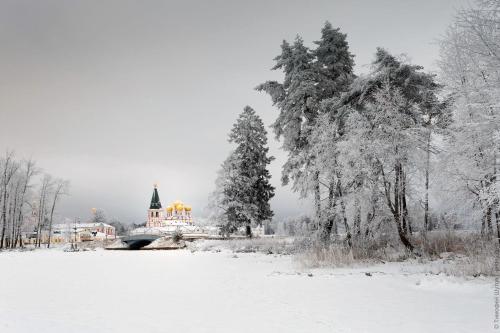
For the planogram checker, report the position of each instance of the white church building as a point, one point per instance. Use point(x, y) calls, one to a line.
point(176, 214)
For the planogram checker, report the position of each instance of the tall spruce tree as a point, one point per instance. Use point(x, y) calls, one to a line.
point(243, 188)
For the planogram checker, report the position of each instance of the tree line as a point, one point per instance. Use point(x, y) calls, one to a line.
point(397, 149)
point(28, 201)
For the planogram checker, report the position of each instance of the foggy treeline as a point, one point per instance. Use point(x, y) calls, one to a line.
point(28, 200)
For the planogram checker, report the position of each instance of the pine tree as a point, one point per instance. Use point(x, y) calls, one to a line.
point(295, 97)
point(335, 65)
point(311, 77)
point(334, 61)
point(243, 188)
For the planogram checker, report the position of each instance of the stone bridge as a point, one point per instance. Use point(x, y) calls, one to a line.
point(138, 241)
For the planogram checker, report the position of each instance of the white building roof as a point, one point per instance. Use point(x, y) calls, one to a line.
point(81, 225)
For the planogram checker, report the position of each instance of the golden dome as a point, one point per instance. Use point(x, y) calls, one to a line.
point(169, 208)
point(179, 207)
point(187, 208)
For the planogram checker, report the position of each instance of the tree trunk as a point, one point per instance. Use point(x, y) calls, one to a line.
point(317, 199)
point(427, 170)
point(348, 237)
point(10, 225)
point(59, 190)
point(369, 219)
point(30, 171)
point(357, 218)
point(497, 218)
point(50, 223)
point(404, 206)
point(396, 206)
point(4, 216)
point(44, 191)
point(8, 172)
point(483, 224)
point(488, 220)
point(331, 223)
point(41, 214)
point(402, 235)
point(13, 216)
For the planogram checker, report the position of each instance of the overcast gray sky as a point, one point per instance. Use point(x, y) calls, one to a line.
point(117, 95)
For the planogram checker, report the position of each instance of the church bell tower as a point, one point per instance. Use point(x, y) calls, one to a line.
point(155, 213)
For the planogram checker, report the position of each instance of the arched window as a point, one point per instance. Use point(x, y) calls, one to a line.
point(156, 214)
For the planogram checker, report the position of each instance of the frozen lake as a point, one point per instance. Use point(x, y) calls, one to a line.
point(180, 291)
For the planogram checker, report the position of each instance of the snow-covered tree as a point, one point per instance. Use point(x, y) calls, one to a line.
point(60, 188)
point(9, 168)
point(243, 188)
point(382, 126)
point(297, 101)
point(43, 195)
point(334, 62)
point(470, 62)
point(18, 200)
point(223, 201)
point(385, 140)
point(311, 77)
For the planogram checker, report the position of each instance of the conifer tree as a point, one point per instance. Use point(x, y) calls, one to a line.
point(335, 66)
point(224, 201)
point(243, 188)
point(311, 78)
point(334, 62)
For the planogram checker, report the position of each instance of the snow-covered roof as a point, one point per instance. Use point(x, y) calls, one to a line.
point(82, 225)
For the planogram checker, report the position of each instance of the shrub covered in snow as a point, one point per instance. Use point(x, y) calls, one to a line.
point(458, 254)
point(268, 245)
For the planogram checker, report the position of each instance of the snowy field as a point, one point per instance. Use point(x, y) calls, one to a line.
point(180, 291)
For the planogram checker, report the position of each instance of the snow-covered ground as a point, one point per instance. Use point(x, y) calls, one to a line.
point(180, 291)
